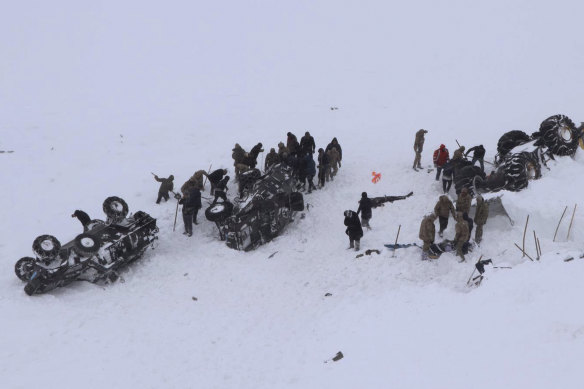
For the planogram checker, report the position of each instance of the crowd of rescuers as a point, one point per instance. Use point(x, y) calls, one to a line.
point(297, 155)
point(444, 207)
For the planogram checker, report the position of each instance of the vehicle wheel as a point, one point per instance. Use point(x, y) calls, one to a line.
point(509, 140)
point(519, 170)
point(86, 245)
point(560, 135)
point(296, 202)
point(219, 211)
point(115, 208)
point(24, 268)
point(465, 178)
point(95, 223)
point(46, 247)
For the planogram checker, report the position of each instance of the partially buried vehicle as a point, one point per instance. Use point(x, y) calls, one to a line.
point(95, 255)
point(267, 204)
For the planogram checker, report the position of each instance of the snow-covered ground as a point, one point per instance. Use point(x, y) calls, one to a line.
point(93, 97)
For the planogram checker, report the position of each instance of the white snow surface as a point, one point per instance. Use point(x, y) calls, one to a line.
point(96, 95)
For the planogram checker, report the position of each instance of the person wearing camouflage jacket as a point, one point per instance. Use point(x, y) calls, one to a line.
point(461, 235)
point(333, 156)
point(458, 153)
point(443, 209)
point(283, 152)
point(271, 159)
point(428, 231)
point(480, 218)
point(418, 148)
point(463, 202)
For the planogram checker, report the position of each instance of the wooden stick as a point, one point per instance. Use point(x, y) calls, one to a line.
point(539, 247)
point(516, 245)
point(208, 172)
point(398, 230)
point(524, 232)
point(535, 241)
point(175, 214)
point(559, 223)
point(571, 221)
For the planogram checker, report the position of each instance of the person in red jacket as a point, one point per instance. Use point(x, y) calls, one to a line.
point(441, 156)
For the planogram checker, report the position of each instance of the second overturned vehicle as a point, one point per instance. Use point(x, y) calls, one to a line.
point(270, 202)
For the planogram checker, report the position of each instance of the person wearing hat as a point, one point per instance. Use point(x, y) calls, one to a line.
point(365, 206)
point(272, 158)
point(427, 233)
point(354, 229)
point(418, 148)
point(166, 185)
point(440, 158)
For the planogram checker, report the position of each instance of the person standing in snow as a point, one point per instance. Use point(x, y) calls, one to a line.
point(238, 156)
point(354, 229)
point(308, 168)
point(440, 158)
point(418, 148)
point(307, 144)
point(335, 145)
point(292, 144)
point(480, 219)
point(458, 154)
point(448, 172)
point(427, 233)
point(443, 209)
point(365, 206)
point(333, 156)
point(463, 201)
point(470, 223)
point(478, 155)
point(166, 185)
point(221, 190)
point(461, 235)
point(323, 167)
point(191, 203)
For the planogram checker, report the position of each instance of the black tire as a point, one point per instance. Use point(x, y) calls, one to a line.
point(296, 202)
point(24, 268)
point(509, 140)
point(465, 178)
point(46, 247)
point(115, 208)
point(519, 170)
point(219, 211)
point(86, 245)
point(560, 135)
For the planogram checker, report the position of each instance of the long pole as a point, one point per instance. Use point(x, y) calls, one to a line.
point(398, 230)
point(563, 213)
point(571, 221)
point(175, 215)
point(524, 232)
point(536, 249)
point(208, 172)
point(523, 251)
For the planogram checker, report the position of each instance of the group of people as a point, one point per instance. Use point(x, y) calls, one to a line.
point(297, 155)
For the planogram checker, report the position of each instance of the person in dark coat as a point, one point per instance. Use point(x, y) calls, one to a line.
point(309, 171)
point(323, 167)
point(448, 173)
point(335, 144)
point(271, 159)
point(478, 155)
point(83, 218)
point(166, 185)
point(365, 206)
point(215, 177)
point(292, 144)
point(191, 203)
point(307, 144)
point(354, 229)
point(221, 190)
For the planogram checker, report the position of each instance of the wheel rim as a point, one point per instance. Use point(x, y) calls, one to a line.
point(565, 133)
point(87, 242)
point(217, 209)
point(47, 245)
point(117, 206)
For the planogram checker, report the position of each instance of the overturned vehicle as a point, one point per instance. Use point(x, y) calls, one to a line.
point(95, 255)
point(269, 203)
point(520, 156)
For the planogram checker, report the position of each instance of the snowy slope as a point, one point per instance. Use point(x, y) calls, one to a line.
point(95, 97)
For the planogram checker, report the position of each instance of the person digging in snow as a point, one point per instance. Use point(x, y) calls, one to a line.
point(478, 155)
point(221, 190)
point(440, 158)
point(463, 201)
point(461, 235)
point(166, 185)
point(427, 233)
point(443, 209)
point(365, 206)
point(191, 202)
point(354, 229)
point(214, 178)
point(418, 148)
point(480, 219)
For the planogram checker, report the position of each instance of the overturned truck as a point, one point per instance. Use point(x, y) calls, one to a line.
point(270, 202)
point(96, 255)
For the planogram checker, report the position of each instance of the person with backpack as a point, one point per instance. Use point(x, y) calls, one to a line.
point(440, 158)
